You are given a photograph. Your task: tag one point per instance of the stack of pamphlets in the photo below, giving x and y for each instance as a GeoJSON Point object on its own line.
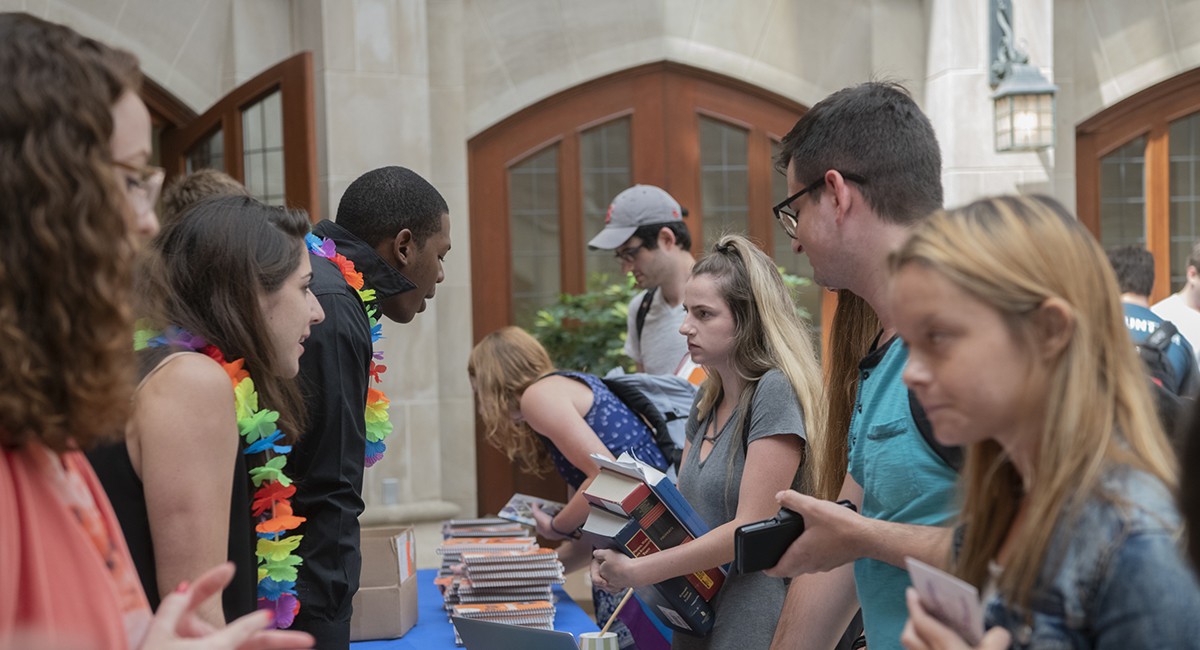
{"type": "Point", "coordinates": [504, 579]}
{"type": "Point", "coordinates": [535, 614]}
{"type": "Point", "coordinates": [485, 527]}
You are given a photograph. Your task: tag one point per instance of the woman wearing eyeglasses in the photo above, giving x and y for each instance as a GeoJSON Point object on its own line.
{"type": "Point", "coordinates": [71, 125]}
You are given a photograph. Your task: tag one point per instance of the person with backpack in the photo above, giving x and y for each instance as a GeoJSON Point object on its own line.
{"type": "Point", "coordinates": [756, 418]}
{"type": "Point", "coordinates": [1169, 357]}
{"type": "Point", "coordinates": [1165, 353]}
{"type": "Point", "coordinates": [542, 418]}
{"type": "Point", "coordinates": [645, 228]}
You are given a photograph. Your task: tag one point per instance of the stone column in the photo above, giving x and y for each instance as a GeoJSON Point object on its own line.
{"type": "Point", "coordinates": [372, 74]}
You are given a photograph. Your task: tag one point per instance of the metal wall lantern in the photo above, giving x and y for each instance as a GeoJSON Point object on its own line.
{"type": "Point", "coordinates": [1023, 98]}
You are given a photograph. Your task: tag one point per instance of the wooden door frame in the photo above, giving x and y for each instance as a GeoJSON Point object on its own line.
{"type": "Point", "coordinates": [293, 78]}
{"type": "Point", "coordinates": [1148, 113]}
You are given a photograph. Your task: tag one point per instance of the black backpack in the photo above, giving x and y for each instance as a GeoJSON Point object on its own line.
{"type": "Point", "coordinates": [1153, 352]}
{"type": "Point", "coordinates": [1171, 399]}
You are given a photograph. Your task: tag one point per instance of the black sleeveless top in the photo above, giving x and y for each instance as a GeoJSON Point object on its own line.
{"type": "Point", "coordinates": [115, 471]}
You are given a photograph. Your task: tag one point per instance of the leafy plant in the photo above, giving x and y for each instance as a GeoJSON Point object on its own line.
{"type": "Point", "coordinates": [587, 331]}
{"type": "Point", "coordinates": [795, 284]}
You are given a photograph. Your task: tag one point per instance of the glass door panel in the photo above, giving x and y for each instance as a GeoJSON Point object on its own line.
{"type": "Point", "coordinates": [534, 227]}
{"type": "Point", "coordinates": [1184, 214]}
{"type": "Point", "coordinates": [606, 169]}
{"type": "Point", "coordinates": [724, 182]}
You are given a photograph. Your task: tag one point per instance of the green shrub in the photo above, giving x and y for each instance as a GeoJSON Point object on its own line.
{"type": "Point", "coordinates": [586, 331]}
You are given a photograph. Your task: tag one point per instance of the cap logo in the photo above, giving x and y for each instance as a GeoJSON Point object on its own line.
{"type": "Point", "coordinates": [608, 215]}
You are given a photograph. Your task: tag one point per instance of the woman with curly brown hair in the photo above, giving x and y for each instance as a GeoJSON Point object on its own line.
{"type": "Point", "coordinates": [74, 194]}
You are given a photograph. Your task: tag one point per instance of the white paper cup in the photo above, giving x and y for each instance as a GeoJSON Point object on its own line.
{"type": "Point", "coordinates": [598, 641]}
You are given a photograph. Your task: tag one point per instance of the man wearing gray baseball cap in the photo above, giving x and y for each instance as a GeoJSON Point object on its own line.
{"type": "Point", "coordinates": [645, 228]}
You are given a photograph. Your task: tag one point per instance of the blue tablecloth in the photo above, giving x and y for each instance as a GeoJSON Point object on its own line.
{"type": "Point", "coordinates": [433, 629]}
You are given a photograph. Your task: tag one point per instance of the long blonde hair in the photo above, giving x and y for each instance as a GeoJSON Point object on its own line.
{"type": "Point", "coordinates": [501, 367]}
{"type": "Point", "coordinates": [1014, 253]}
{"type": "Point", "coordinates": [768, 334]}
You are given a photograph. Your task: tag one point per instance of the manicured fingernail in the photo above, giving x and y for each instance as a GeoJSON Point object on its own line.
{"type": "Point", "coordinates": [183, 587]}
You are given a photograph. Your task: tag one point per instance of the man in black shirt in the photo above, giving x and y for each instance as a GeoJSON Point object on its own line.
{"type": "Point", "coordinates": [393, 227]}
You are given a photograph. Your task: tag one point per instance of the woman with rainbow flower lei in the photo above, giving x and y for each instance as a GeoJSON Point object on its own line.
{"type": "Point", "coordinates": [202, 475]}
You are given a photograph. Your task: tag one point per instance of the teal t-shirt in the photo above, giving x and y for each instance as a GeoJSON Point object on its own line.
{"type": "Point", "coordinates": [902, 478]}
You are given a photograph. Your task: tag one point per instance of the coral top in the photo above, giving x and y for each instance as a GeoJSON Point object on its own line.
{"type": "Point", "coordinates": [66, 578]}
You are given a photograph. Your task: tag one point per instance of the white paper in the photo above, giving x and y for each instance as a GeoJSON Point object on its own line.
{"type": "Point", "coordinates": [948, 599]}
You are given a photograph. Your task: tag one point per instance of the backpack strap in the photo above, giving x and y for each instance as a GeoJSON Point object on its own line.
{"type": "Point", "coordinates": [952, 456]}
{"type": "Point", "coordinates": [654, 420]}
{"type": "Point", "coordinates": [643, 311]}
{"type": "Point", "coordinates": [1160, 338]}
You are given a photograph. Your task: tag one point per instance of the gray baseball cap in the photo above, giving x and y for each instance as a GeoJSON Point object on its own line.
{"type": "Point", "coordinates": [640, 205]}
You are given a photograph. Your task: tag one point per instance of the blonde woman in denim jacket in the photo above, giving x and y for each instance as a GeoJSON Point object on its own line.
{"type": "Point", "coordinates": [1018, 352]}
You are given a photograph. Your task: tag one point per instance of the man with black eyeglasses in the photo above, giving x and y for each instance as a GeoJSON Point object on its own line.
{"type": "Point", "coordinates": [645, 229]}
{"type": "Point", "coordinates": [863, 166]}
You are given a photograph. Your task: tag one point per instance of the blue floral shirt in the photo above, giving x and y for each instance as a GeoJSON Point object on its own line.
{"type": "Point", "coordinates": [617, 427]}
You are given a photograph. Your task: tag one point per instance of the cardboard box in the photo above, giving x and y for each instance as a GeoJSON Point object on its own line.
{"type": "Point", "coordinates": [385, 606]}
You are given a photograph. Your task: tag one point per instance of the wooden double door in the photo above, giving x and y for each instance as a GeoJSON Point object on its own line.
{"type": "Point", "coordinates": [541, 182]}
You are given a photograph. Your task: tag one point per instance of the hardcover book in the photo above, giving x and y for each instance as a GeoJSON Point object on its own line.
{"type": "Point", "coordinates": [676, 601]}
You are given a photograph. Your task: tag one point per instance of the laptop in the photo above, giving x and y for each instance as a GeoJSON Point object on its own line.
{"type": "Point", "coordinates": [487, 635]}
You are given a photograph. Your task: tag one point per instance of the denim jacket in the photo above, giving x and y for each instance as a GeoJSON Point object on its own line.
{"type": "Point", "coordinates": [1115, 577]}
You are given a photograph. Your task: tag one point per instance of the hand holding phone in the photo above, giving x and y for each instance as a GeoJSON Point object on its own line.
{"type": "Point", "coordinates": [759, 545]}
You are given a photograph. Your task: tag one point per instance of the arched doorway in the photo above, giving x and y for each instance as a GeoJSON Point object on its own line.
{"type": "Point", "coordinates": [541, 182]}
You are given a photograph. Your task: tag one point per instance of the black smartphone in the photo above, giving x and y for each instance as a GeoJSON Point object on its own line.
{"type": "Point", "coordinates": [759, 545]}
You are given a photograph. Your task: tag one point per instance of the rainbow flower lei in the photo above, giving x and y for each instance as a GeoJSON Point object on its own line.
{"type": "Point", "coordinates": [271, 504]}
{"type": "Point", "coordinates": [379, 425]}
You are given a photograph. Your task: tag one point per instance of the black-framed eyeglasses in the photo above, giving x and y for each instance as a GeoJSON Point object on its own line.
{"type": "Point", "coordinates": [629, 253]}
{"type": "Point", "coordinates": [786, 216]}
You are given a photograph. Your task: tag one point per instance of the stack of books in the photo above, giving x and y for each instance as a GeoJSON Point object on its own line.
{"type": "Point", "coordinates": [503, 579]}
{"type": "Point", "coordinates": [536, 614]}
{"type": "Point", "coordinates": [485, 527]}
{"type": "Point", "coordinates": [452, 548]}
{"type": "Point", "coordinates": [637, 510]}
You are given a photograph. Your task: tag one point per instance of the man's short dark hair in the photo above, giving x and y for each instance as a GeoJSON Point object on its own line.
{"type": "Point", "coordinates": [649, 234]}
{"type": "Point", "coordinates": [877, 131]}
{"type": "Point", "coordinates": [1134, 267]}
{"type": "Point", "coordinates": [384, 201]}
